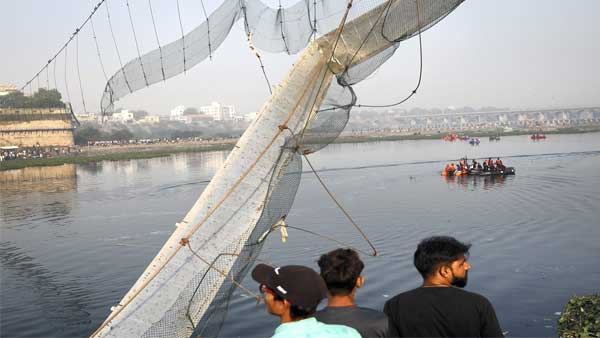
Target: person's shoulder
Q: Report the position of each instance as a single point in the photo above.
(335, 330)
(472, 296)
(371, 314)
(403, 296)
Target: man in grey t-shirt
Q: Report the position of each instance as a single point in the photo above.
(341, 269)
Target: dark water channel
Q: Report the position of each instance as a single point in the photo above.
(73, 239)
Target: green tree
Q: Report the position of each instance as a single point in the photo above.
(121, 135)
(85, 134)
(41, 99)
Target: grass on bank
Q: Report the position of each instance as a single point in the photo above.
(143, 154)
(580, 318)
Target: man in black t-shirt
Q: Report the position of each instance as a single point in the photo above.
(440, 308)
(341, 269)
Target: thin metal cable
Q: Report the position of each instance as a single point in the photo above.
(356, 226)
(98, 52)
(182, 35)
(280, 15)
(253, 49)
(112, 33)
(342, 209)
(79, 73)
(66, 43)
(414, 91)
(315, 20)
(162, 66)
(137, 45)
(66, 82)
(54, 75)
(207, 30)
(384, 10)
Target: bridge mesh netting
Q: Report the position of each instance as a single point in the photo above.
(317, 99)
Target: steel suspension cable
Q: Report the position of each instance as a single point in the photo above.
(98, 51)
(356, 226)
(254, 50)
(112, 33)
(54, 76)
(137, 45)
(280, 15)
(414, 91)
(66, 43)
(66, 82)
(207, 30)
(182, 36)
(79, 73)
(162, 66)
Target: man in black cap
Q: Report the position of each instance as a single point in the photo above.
(292, 293)
(440, 307)
(341, 269)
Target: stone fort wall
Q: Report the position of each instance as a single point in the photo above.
(28, 127)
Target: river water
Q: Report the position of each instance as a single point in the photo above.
(73, 239)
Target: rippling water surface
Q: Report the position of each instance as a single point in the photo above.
(73, 239)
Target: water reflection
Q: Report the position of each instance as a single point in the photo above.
(30, 287)
(478, 182)
(37, 193)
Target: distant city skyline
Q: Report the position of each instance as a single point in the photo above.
(518, 54)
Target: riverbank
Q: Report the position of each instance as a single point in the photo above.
(139, 151)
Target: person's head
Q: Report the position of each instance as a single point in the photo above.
(291, 292)
(498, 159)
(341, 269)
(443, 259)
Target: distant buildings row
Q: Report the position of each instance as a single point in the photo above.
(205, 114)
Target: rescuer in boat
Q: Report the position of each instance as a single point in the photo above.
(440, 307)
(341, 269)
(293, 293)
(499, 164)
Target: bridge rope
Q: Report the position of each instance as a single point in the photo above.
(65, 44)
(66, 81)
(98, 50)
(79, 73)
(162, 66)
(137, 45)
(182, 36)
(207, 30)
(112, 33)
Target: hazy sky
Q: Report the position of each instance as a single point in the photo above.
(515, 53)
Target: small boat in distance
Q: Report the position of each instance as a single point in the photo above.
(538, 136)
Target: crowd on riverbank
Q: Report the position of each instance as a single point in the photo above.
(37, 152)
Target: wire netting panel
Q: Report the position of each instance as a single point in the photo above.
(309, 106)
(194, 304)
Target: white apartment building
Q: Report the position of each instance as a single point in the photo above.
(177, 113)
(7, 89)
(123, 116)
(219, 112)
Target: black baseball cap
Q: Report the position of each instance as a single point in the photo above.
(299, 285)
